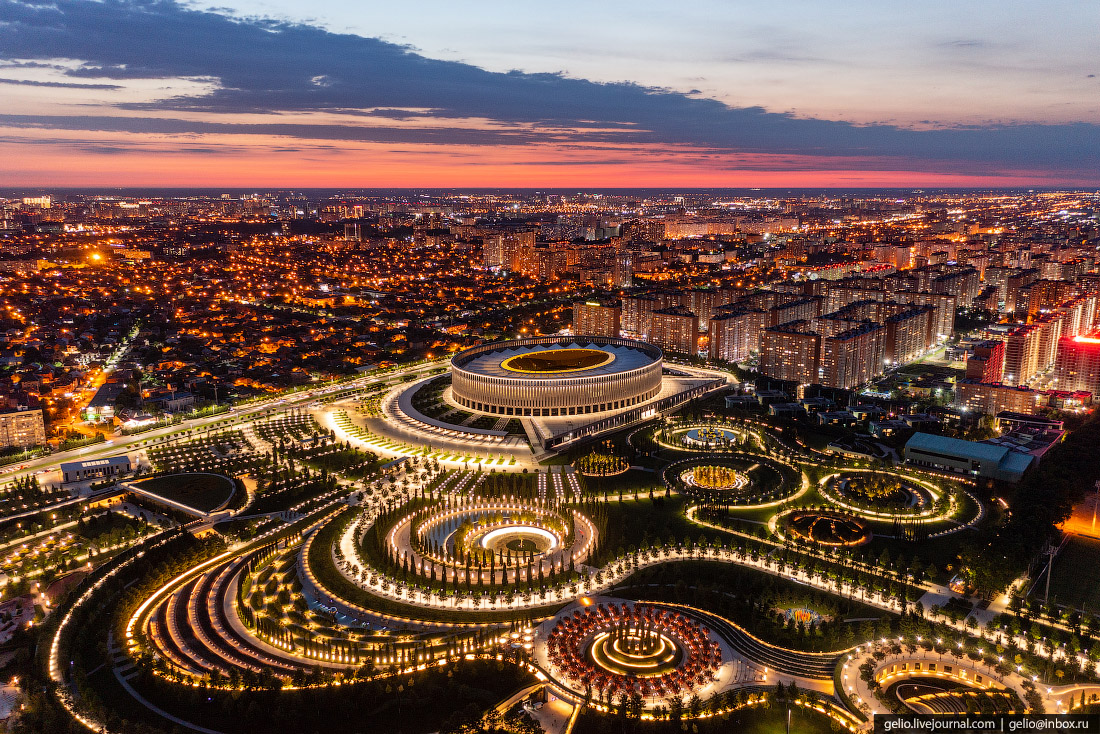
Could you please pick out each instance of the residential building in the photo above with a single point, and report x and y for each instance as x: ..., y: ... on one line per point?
x: 986, y: 362
x: 675, y: 330
x: 735, y: 335
x: 595, y: 318
x: 791, y: 352
x: 1078, y: 364
x: 990, y: 398
x: 1022, y: 354
x: 853, y: 357
x: 22, y: 428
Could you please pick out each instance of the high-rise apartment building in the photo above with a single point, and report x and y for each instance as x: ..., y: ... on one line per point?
x: 594, y: 318
x: 791, y: 352
x: 1022, y: 355
x: 638, y: 312
x: 1078, y: 364
x: 622, y: 272
x: 644, y: 230
x: 734, y: 335
x: 961, y: 282
x: 992, y: 398
x: 986, y: 363
x: 1014, y: 288
x: 675, y: 330
x: 551, y: 263
x: 1044, y: 295
x: 943, y: 320
x: 513, y: 251
x: 703, y: 302
x: 909, y: 332
x: 853, y: 357
x: 802, y: 309
x: 22, y: 428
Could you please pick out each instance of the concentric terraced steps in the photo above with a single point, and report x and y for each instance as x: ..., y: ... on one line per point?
x: 818, y: 666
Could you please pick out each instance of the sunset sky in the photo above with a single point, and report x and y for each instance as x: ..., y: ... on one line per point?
x: 709, y: 93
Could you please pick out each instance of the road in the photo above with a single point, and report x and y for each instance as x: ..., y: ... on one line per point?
x: 123, y: 444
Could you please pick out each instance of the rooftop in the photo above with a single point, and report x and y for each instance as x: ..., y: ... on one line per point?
x: 955, y: 446
x: 493, y: 363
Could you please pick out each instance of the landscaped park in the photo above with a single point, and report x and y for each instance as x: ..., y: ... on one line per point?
x: 700, y: 569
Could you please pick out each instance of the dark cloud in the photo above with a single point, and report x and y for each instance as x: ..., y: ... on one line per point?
x: 270, y: 66
x: 64, y: 85
x: 173, y: 126
x: 964, y: 43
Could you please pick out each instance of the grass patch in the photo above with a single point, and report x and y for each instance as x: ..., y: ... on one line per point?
x: 627, y: 483
x: 754, y: 600
x: 204, y: 492
x: 632, y: 523
x: 1076, y: 577
x: 748, y: 720
x: 427, y: 701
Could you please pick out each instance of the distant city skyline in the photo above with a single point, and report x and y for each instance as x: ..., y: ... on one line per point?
x: 263, y: 93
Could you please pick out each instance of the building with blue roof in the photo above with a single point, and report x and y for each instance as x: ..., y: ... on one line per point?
x: 973, y: 458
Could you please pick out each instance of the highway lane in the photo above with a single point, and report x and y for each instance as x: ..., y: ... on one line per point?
x: 123, y: 444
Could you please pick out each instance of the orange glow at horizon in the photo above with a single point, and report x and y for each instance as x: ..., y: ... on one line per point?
x: 80, y: 158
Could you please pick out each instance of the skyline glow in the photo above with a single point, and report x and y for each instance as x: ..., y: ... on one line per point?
x: 149, y: 92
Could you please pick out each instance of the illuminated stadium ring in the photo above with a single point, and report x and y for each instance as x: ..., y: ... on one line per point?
x: 554, y: 376
x: 556, y: 361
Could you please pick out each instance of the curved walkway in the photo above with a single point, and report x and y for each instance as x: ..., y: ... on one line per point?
x: 811, y: 665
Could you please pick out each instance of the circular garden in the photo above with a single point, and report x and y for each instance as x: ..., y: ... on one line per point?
x: 701, y: 437
x: 488, y: 528
x: 627, y: 649
x: 824, y: 527
x: 602, y: 462
x: 713, y: 476
x: 881, y: 492
x: 733, y: 479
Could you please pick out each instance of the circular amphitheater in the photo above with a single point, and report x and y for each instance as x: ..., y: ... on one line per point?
x: 501, y: 530
x: 490, y: 542
x: 551, y: 376
x: 630, y: 648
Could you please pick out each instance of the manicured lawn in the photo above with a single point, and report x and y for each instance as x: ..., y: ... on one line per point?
x: 204, y: 492
x: 1076, y: 577
x: 749, y: 720
x: 628, y: 482
x: 426, y: 701
x: 634, y: 522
